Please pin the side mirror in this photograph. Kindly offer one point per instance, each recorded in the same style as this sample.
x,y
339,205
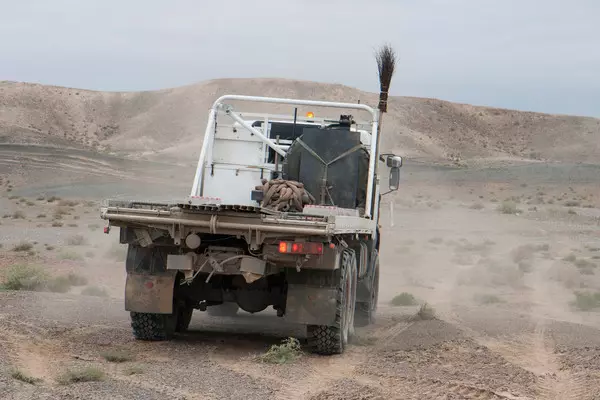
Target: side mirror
x,y
393,161
394,180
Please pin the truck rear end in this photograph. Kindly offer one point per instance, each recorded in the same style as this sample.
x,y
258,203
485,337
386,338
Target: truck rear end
x,y
283,213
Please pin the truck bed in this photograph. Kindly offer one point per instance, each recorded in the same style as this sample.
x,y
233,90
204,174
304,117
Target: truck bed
x,y
234,219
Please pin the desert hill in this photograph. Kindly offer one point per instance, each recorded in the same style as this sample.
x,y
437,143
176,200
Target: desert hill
x,y
170,123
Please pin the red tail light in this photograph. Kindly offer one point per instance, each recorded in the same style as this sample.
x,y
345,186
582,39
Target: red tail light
x,y
300,248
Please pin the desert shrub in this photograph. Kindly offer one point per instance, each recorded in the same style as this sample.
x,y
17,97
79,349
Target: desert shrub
x,y
133,370
117,356
23,246
24,277
508,207
586,301
57,224
68,203
70,255
572,203
18,215
59,284
24,377
87,374
77,240
425,313
570,258
283,353
94,291
76,280
404,299
52,199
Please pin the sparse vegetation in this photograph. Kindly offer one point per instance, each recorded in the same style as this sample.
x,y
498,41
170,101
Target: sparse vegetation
x,y
586,301
41,216
117,356
76,280
404,299
77,240
59,284
57,224
477,206
24,377
283,353
19,215
133,370
570,258
68,203
87,374
425,313
508,207
24,277
70,255
94,291
23,246
52,199
572,203
436,240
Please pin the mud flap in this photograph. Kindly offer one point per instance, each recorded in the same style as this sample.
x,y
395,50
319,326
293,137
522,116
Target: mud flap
x,y
310,305
150,293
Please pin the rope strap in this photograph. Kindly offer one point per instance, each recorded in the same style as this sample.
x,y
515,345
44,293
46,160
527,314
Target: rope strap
x,y
284,195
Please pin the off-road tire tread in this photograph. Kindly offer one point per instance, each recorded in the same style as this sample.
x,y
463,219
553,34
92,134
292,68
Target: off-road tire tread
x,y
327,340
152,327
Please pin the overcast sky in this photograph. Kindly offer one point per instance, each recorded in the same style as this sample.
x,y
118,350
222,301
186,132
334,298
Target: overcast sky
x,y
539,55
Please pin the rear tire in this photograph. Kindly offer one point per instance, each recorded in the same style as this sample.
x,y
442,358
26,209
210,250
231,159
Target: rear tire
x,y
153,327
365,311
223,310
327,340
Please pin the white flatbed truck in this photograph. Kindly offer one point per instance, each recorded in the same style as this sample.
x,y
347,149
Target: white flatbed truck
x,y
283,212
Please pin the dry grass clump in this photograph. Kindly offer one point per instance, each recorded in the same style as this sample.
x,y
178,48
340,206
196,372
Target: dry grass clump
x,y
508,207
289,350
87,374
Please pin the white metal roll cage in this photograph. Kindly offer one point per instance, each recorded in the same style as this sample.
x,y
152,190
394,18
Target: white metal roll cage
x,y
219,105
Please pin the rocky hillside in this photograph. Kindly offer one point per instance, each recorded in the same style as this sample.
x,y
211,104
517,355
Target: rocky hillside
x,y
170,123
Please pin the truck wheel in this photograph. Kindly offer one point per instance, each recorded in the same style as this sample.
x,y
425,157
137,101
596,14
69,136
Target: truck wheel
x,y
365,311
223,310
148,326
327,340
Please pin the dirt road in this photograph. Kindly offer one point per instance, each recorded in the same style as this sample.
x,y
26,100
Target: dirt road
x,y
508,323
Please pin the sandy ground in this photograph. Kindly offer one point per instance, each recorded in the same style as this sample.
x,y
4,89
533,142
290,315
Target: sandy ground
x,y
502,286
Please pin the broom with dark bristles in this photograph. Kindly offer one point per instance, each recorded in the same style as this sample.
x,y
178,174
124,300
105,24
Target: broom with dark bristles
x,y
386,64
